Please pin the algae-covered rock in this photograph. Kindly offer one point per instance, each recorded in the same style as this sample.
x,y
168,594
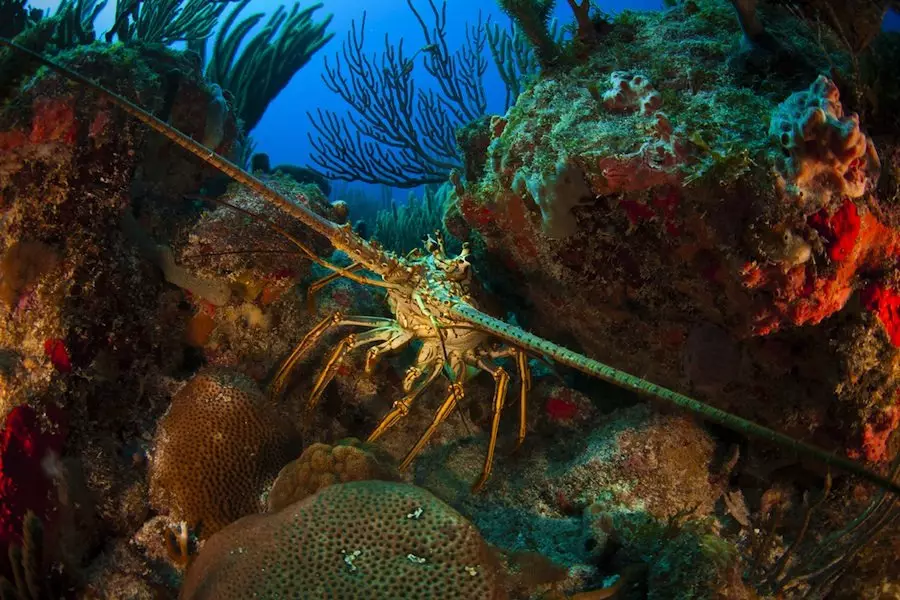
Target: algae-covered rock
x,y
653,193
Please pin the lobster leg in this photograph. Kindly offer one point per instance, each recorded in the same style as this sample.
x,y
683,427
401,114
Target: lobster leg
x,y
501,382
327,374
454,395
390,337
524,387
401,407
401,338
337,319
317,285
309,340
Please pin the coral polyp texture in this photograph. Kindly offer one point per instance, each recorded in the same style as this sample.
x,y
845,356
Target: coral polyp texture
x,y
367,539
218,448
322,465
670,215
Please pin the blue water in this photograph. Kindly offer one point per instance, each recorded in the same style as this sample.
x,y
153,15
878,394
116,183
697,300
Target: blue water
x,y
283,131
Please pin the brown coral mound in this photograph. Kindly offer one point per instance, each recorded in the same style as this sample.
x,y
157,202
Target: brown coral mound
x,y
322,465
371,539
217,448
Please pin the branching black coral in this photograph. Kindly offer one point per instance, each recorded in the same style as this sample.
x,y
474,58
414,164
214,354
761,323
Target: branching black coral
x,y
533,17
270,58
397,133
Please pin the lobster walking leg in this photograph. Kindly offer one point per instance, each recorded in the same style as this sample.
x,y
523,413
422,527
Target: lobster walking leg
x,y
454,395
400,339
337,319
400,407
327,374
524,387
392,338
276,387
524,371
501,382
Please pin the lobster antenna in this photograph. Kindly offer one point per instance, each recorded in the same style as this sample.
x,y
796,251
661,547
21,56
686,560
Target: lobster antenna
x,y
540,346
341,238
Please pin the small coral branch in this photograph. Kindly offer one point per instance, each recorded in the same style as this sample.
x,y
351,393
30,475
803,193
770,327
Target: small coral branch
x,y
458,74
76,21
586,30
514,56
533,17
164,21
269,59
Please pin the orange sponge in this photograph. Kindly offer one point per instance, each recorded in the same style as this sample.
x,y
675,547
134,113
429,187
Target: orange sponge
x,y
376,540
219,446
822,151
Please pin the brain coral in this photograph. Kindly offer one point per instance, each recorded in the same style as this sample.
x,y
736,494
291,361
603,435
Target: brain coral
x,y
376,540
322,465
217,448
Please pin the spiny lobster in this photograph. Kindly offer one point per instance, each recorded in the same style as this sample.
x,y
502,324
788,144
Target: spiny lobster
x,y
429,298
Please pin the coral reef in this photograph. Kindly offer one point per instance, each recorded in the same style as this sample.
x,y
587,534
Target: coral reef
x,y
371,539
730,233
666,215
217,450
322,465
596,503
104,273
267,61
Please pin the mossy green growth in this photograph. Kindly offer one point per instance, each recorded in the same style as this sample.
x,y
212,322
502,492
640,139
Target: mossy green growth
x,y
685,557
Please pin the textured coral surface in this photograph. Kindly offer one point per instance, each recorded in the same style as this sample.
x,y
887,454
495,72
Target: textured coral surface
x,y
371,539
710,234
218,448
322,465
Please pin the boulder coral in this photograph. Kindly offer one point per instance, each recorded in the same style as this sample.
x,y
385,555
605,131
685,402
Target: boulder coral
x,y
322,465
368,539
218,448
633,204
